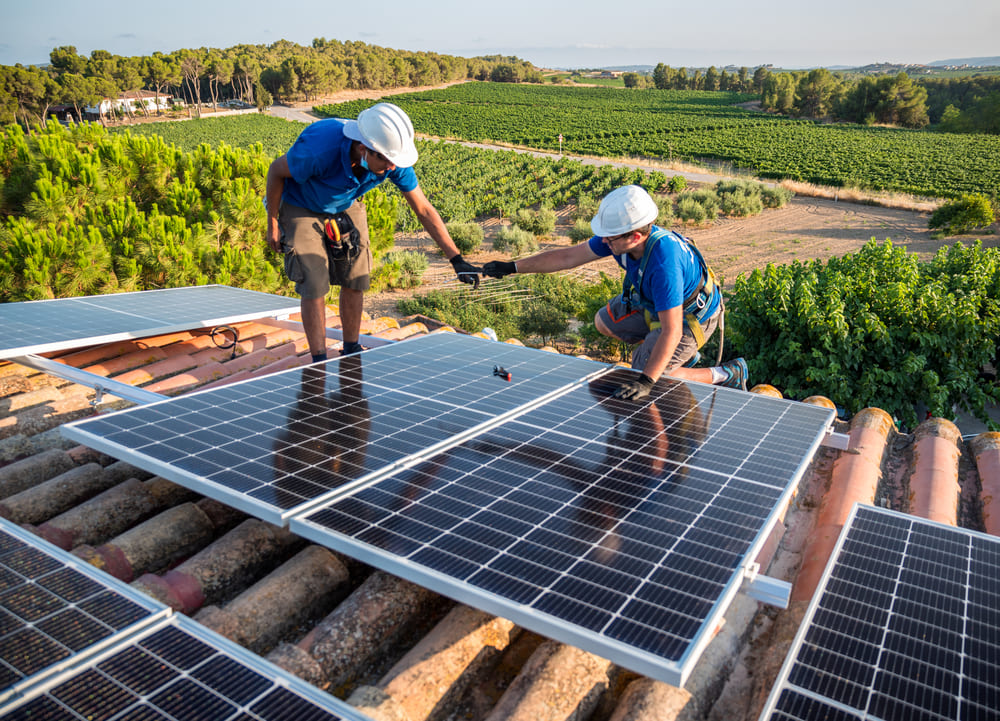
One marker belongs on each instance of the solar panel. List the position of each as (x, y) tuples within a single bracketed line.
[(50, 325), (618, 527), (270, 445), (54, 606), (179, 671), (904, 625), (623, 528)]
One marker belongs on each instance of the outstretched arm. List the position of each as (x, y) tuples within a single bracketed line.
[(430, 219), (547, 261)]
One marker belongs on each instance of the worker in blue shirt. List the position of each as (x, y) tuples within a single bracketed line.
[(670, 303), (316, 213)]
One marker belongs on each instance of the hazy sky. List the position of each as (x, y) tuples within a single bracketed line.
[(584, 33)]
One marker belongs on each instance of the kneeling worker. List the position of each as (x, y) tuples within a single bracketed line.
[(669, 304), (316, 217)]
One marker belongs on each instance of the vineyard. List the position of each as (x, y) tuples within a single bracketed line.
[(695, 126)]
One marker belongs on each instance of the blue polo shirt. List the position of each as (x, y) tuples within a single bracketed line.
[(673, 271), (322, 178)]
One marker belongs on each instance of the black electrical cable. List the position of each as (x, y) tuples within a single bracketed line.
[(231, 344)]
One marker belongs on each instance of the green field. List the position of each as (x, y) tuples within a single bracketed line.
[(695, 126)]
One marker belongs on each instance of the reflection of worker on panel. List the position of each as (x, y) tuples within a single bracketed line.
[(323, 444)]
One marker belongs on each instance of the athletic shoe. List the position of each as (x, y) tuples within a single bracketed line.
[(736, 370)]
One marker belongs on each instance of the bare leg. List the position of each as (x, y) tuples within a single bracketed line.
[(351, 305), (314, 321)]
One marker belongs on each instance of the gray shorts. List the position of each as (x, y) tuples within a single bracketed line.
[(307, 263), (631, 327)]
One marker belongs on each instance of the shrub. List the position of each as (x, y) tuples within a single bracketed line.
[(467, 236), (775, 196), (586, 207), (969, 212), (539, 222), (698, 206), (666, 210), (879, 328), (543, 319), (739, 198), (677, 183), (515, 241), (400, 269), (580, 231)]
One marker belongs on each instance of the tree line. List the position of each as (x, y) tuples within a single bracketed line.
[(965, 105), (254, 74)]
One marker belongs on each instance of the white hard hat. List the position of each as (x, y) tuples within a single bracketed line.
[(386, 129), (624, 209)]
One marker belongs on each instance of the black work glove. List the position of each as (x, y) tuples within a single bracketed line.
[(499, 268), (467, 272), (634, 390)]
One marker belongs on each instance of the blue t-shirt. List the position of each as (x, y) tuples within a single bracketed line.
[(673, 271), (322, 178)]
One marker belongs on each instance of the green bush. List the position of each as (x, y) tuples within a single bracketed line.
[(542, 319), (539, 222), (580, 231), (677, 183), (775, 196), (666, 210), (876, 328), (586, 208), (698, 206), (514, 241), (962, 215), (400, 269), (467, 236), (739, 198)]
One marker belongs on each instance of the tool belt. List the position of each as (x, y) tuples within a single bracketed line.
[(341, 237)]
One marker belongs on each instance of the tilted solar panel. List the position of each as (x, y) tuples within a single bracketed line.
[(624, 528), (904, 625), (50, 325), (621, 528), (178, 671), (54, 606)]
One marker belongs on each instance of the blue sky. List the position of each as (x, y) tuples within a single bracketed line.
[(584, 33)]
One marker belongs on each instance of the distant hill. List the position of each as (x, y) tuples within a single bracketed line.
[(974, 62)]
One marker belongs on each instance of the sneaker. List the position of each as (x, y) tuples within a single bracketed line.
[(736, 371)]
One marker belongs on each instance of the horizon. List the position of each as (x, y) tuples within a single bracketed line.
[(855, 34)]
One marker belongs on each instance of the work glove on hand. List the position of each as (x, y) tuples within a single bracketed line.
[(467, 272), (499, 268), (634, 390)]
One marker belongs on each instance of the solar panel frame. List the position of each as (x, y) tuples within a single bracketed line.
[(904, 646), (43, 326), (49, 601), (459, 387), (373, 550), (180, 670)]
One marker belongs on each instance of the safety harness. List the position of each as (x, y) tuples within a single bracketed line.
[(695, 305)]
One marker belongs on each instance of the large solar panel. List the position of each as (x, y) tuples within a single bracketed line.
[(618, 527), (178, 671), (54, 606), (270, 445), (50, 325), (623, 528), (904, 625)]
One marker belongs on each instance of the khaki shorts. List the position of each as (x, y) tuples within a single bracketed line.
[(306, 261), (631, 327)]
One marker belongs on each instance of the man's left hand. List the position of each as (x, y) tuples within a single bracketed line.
[(634, 390), (467, 272)]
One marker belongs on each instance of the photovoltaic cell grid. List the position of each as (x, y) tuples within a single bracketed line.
[(905, 625), (50, 325), (179, 671), (270, 445), (615, 526), (53, 606)]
